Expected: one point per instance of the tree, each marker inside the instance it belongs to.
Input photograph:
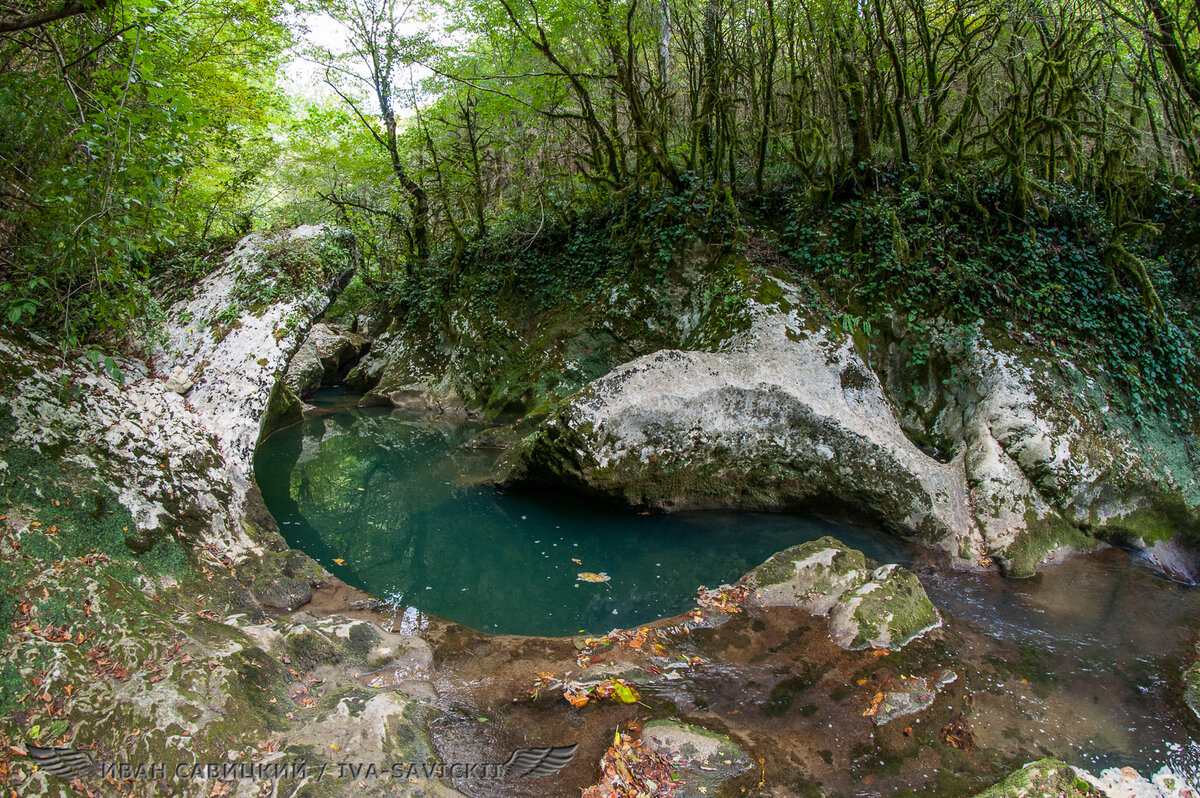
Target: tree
(378, 49)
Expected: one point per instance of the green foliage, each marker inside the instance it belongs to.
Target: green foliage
(134, 130)
(12, 687)
(357, 298)
(59, 610)
(931, 254)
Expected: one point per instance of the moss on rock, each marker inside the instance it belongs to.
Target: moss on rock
(868, 605)
(1042, 778)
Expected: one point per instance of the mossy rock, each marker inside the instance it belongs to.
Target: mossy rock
(890, 610)
(1043, 538)
(308, 650)
(812, 575)
(868, 605)
(1191, 688)
(362, 639)
(705, 760)
(1042, 778)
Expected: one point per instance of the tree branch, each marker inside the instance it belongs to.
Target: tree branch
(37, 19)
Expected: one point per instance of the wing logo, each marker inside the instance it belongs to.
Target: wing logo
(66, 763)
(536, 762)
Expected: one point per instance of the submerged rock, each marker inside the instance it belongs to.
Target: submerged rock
(909, 695)
(868, 605)
(704, 759)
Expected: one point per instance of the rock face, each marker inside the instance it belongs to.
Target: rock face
(788, 412)
(137, 551)
(781, 417)
(868, 605)
(507, 354)
(326, 354)
(234, 336)
(173, 452)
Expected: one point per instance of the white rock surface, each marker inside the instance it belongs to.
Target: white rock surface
(1128, 783)
(788, 412)
(166, 456)
(234, 371)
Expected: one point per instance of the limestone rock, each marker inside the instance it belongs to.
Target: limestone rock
(813, 576)
(910, 695)
(868, 606)
(781, 416)
(1041, 778)
(887, 611)
(1128, 783)
(1031, 461)
(179, 382)
(320, 360)
(1052, 777)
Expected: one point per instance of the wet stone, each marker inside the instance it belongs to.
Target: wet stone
(911, 694)
(705, 760)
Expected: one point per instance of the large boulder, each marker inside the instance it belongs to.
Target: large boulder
(868, 605)
(783, 416)
(1003, 456)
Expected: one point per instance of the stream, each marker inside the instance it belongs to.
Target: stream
(1081, 662)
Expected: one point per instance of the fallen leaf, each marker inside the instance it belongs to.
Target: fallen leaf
(625, 693)
(588, 576)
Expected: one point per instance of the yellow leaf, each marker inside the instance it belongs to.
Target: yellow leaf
(339, 561)
(588, 576)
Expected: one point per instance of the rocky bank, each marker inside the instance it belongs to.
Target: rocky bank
(1016, 459)
(144, 577)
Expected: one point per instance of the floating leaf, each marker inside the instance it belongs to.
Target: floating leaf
(339, 561)
(588, 576)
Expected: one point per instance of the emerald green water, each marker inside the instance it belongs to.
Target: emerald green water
(404, 504)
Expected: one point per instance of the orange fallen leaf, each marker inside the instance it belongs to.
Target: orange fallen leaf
(588, 576)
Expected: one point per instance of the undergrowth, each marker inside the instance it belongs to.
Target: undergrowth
(952, 253)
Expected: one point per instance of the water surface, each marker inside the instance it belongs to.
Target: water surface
(399, 506)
